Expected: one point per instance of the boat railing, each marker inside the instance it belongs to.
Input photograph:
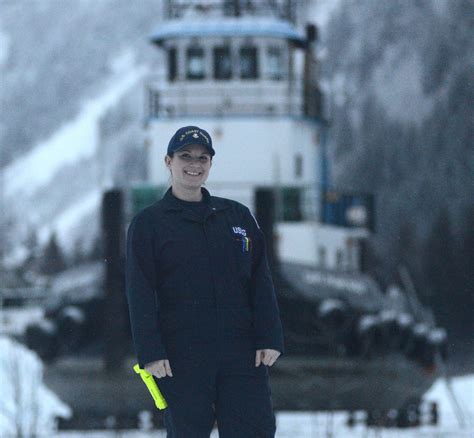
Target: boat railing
(281, 9)
(263, 96)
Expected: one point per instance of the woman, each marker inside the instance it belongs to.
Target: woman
(204, 316)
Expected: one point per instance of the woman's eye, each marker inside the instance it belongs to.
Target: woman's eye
(203, 159)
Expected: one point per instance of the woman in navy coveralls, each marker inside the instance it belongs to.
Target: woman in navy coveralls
(203, 311)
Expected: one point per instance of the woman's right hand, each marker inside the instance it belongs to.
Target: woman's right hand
(159, 368)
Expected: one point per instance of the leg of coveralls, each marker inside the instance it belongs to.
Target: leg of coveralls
(190, 395)
(244, 408)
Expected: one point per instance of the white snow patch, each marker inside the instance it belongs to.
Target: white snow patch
(74, 141)
(123, 63)
(71, 218)
(14, 320)
(4, 47)
(397, 82)
(27, 406)
(83, 276)
(15, 256)
(321, 11)
(463, 390)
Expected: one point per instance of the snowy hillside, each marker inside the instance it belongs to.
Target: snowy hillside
(61, 176)
(57, 54)
(62, 89)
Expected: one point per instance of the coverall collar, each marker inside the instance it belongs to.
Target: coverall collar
(173, 203)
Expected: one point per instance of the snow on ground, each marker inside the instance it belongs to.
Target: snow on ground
(19, 402)
(315, 425)
(463, 389)
(27, 407)
(74, 141)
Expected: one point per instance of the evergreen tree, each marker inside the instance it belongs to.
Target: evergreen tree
(53, 260)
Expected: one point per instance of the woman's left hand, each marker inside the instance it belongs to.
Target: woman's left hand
(266, 356)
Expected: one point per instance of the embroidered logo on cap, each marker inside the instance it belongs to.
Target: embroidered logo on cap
(195, 134)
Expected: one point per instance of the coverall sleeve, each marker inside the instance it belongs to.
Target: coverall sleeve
(140, 290)
(268, 327)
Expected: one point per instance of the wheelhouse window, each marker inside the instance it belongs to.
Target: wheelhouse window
(248, 63)
(222, 63)
(172, 64)
(275, 63)
(195, 65)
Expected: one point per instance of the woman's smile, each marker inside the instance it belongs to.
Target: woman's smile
(192, 173)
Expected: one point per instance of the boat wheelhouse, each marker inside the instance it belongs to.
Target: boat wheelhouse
(246, 71)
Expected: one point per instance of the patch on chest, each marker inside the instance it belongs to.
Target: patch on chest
(239, 230)
(245, 241)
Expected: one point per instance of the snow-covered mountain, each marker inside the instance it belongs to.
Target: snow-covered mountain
(71, 96)
(60, 180)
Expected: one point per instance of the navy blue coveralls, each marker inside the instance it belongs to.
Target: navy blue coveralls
(200, 294)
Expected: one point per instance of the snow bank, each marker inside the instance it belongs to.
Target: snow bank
(463, 390)
(27, 407)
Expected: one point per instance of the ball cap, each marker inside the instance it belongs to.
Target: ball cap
(190, 135)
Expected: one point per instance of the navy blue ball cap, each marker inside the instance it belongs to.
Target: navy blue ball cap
(190, 135)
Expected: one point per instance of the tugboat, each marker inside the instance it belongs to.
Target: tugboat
(247, 72)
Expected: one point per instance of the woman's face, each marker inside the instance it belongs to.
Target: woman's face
(189, 166)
